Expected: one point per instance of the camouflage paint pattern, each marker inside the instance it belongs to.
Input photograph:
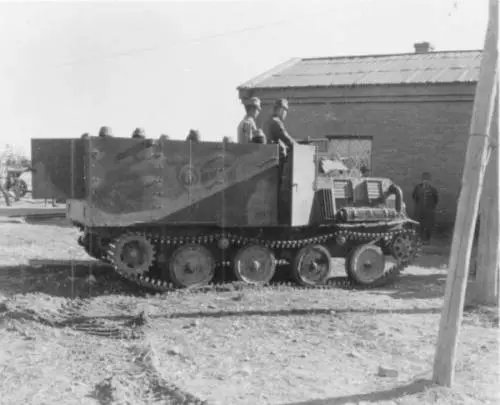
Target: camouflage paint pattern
(130, 181)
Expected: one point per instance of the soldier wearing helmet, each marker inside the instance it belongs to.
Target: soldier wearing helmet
(139, 133)
(247, 128)
(276, 131)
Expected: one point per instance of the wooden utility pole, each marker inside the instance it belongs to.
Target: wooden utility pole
(476, 160)
(488, 257)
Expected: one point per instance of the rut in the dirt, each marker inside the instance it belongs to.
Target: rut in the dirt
(144, 385)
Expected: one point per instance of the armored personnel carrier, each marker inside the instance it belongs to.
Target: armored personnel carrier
(169, 213)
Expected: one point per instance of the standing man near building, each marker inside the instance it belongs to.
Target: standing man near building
(276, 132)
(425, 198)
(247, 128)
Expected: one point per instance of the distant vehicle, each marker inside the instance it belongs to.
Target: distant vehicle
(25, 183)
(20, 176)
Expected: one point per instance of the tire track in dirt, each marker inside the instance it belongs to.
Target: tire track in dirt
(142, 386)
(141, 383)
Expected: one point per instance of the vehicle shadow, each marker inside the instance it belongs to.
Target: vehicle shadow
(373, 397)
(432, 260)
(60, 221)
(64, 278)
(338, 312)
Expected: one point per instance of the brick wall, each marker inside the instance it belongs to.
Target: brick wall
(408, 138)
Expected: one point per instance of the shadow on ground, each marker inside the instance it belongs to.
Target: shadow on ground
(373, 397)
(413, 286)
(432, 260)
(48, 221)
(64, 278)
(257, 312)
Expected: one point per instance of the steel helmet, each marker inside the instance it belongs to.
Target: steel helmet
(105, 131)
(139, 133)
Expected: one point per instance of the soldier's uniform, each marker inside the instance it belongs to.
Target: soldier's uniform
(247, 128)
(259, 137)
(425, 197)
(276, 132)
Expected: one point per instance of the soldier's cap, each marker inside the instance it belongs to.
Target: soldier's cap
(253, 102)
(281, 103)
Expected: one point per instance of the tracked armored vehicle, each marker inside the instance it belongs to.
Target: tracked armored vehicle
(174, 214)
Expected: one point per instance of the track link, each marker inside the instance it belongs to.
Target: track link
(349, 233)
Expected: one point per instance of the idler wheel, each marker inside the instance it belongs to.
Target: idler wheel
(255, 264)
(312, 265)
(365, 264)
(191, 265)
(404, 247)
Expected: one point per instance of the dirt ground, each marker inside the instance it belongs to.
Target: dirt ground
(72, 332)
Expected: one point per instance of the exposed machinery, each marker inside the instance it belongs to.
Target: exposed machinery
(180, 213)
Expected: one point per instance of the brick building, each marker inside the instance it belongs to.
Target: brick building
(405, 113)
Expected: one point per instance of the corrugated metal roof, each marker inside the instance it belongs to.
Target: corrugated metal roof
(413, 68)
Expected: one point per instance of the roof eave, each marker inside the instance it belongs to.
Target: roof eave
(263, 88)
(250, 84)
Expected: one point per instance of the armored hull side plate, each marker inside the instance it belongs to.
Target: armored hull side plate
(132, 181)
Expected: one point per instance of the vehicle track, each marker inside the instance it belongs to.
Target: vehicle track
(160, 241)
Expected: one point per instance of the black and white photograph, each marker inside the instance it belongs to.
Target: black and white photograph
(249, 202)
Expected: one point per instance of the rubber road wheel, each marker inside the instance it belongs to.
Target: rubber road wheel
(312, 265)
(255, 264)
(366, 264)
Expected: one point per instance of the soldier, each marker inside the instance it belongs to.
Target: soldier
(425, 198)
(85, 135)
(365, 172)
(276, 131)
(193, 136)
(247, 128)
(139, 133)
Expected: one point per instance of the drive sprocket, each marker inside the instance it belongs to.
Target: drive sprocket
(131, 253)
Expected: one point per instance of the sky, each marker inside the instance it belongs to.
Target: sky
(67, 68)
